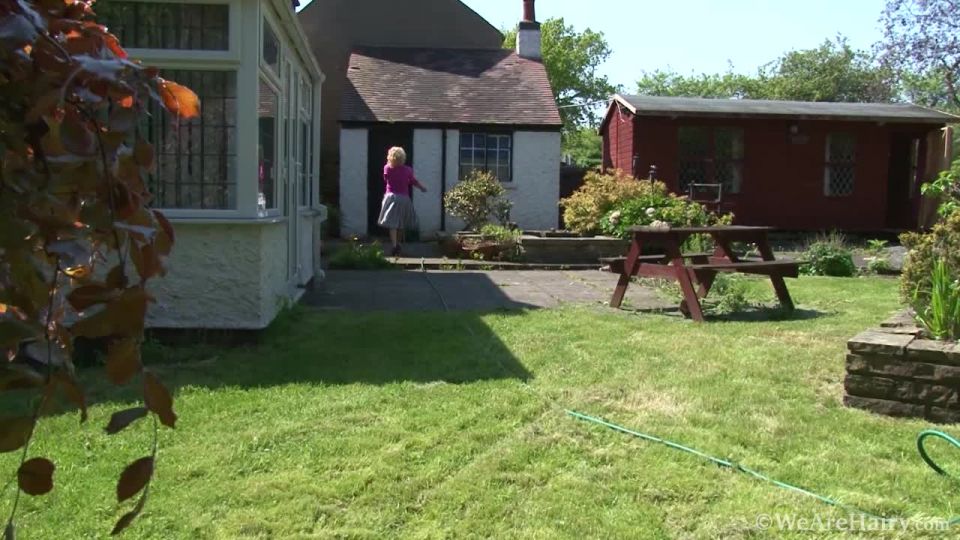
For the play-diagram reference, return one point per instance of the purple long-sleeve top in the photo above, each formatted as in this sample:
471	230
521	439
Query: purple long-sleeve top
399	179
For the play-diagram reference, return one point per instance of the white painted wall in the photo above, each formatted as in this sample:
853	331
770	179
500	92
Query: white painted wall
275	290
453	172
353	181
535	190
427	162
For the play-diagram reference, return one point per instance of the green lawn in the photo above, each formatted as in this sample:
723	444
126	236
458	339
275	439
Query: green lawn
373	425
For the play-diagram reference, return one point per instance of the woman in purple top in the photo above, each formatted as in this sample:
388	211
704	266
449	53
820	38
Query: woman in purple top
397	212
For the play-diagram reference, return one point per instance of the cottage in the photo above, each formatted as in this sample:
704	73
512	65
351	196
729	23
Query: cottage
239	183
792	165
456	106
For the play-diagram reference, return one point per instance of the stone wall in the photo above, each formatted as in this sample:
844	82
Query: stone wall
893	371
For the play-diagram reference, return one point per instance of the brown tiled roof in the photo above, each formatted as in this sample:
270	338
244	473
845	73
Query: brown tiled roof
447	86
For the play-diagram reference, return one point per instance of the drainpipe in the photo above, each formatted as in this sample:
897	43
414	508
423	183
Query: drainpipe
443	179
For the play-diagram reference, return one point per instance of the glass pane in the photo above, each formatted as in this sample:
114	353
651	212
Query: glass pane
304	165
729	143
195	157
691	172
840	147
148	25
271	48
694	142
267	146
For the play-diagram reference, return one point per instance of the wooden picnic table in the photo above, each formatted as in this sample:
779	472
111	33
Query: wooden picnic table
696	271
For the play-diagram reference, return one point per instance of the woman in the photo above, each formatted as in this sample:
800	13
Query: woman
396	212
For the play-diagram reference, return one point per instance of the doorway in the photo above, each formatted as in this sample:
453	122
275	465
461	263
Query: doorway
382	138
902	180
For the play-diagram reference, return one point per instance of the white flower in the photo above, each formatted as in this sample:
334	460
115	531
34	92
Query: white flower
615	217
657	224
651	211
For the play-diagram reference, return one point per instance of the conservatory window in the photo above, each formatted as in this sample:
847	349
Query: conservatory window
267	148
196	158
271	48
163	25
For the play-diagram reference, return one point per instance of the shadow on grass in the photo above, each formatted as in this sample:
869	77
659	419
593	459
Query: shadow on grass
413	344
754	314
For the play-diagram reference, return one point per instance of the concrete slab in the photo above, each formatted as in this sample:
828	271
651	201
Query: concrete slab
408	290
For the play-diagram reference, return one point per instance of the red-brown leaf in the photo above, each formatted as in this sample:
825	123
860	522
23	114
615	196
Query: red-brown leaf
73	392
90	295
121	317
123	360
13	331
116	278
143	154
75	136
165	225
35	476
14	432
121	419
179	99
113	44
146	261
134	478
128	518
158	400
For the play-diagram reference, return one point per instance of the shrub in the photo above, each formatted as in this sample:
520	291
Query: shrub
828	256
499	233
947	188
940	316
599	194
358	256
729	294
477	198
942	243
877	262
657	204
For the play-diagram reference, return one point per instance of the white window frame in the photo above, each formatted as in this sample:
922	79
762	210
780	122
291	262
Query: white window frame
277	129
492	133
232	54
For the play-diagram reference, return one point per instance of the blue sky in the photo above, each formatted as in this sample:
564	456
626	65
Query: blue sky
700	36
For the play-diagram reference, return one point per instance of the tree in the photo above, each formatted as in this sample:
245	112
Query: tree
73	198
585	147
572	59
831	72
922	42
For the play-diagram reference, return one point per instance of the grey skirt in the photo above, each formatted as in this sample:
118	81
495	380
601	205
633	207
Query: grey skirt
397	212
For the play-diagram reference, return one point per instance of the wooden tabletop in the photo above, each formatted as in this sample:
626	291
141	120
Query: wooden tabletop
700	230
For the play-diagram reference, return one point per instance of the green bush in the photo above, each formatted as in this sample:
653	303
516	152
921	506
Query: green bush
476	198
499	233
599	194
947	188
657	204
941	243
729	294
358	256
828	256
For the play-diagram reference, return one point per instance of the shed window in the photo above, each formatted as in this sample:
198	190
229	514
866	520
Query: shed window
711	156
196	158
491	152
167	25
841	158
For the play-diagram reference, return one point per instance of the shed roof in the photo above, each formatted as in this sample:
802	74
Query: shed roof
754	108
447	86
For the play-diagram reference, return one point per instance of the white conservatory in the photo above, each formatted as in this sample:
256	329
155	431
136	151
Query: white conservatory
239	183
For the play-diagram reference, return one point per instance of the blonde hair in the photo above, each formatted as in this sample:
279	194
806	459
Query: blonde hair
396	156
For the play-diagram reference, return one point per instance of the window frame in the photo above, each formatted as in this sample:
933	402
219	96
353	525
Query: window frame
277	129
487	133
711	160
829	163
231	54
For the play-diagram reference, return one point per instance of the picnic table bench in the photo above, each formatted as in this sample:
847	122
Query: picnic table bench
699	269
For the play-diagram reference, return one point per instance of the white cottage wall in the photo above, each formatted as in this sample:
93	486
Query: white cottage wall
427	164
453	224
535	190
353	181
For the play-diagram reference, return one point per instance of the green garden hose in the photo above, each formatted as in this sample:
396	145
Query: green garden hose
759	476
727	463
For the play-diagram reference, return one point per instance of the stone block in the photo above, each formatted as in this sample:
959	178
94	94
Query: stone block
937	352
901	318
905	391
906	410
877	341
899	368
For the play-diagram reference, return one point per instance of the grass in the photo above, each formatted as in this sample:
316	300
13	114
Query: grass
377	424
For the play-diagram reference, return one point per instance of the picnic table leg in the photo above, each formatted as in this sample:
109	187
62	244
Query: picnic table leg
691	303
779	286
630	267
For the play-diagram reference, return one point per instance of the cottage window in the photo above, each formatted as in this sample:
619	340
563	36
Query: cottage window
491	152
196	157
711	156
167	25
838	175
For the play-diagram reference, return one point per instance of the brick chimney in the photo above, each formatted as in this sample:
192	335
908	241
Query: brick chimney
528	34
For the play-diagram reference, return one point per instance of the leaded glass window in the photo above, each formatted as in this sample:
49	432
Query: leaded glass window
162	25
196	158
711	156
841	158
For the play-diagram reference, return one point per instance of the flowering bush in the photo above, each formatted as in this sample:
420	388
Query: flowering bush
476	199
656	206
600	193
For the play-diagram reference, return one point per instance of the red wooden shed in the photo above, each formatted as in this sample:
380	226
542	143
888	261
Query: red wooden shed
791	165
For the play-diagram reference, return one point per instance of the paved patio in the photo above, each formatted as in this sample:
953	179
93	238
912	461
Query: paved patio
413	290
